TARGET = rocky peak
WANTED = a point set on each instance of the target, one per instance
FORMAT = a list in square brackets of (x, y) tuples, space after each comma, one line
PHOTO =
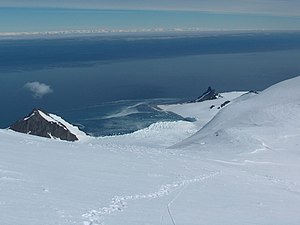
[(42, 124), (210, 94)]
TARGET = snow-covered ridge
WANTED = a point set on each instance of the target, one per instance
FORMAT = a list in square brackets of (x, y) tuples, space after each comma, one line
[(50, 119), (254, 119), (73, 129), (203, 111)]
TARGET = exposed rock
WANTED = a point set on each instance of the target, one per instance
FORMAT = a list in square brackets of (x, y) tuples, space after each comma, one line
[(42, 124), (224, 103), (254, 92), (210, 94)]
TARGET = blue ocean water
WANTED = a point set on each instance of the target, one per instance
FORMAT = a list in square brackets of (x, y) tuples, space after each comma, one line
[(110, 85), (120, 117)]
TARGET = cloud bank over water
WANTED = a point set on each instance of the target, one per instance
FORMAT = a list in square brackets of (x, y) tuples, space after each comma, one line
[(39, 90), (66, 33)]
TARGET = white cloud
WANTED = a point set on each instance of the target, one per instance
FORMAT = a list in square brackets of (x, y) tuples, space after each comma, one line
[(38, 89)]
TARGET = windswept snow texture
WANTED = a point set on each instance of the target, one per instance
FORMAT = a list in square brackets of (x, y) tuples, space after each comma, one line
[(242, 168)]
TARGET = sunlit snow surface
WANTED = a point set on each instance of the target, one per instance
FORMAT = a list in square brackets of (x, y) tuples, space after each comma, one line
[(241, 168)]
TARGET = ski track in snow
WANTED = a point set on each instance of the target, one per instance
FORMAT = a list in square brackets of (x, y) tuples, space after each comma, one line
[(119, 203)]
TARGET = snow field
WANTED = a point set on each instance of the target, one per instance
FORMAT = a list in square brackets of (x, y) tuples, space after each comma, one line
[(241, 166)]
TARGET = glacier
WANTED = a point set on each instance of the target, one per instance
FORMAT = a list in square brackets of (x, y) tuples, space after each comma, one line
[(234, 165)]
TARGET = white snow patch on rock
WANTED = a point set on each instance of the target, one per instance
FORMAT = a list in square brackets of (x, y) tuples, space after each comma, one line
[(73, 129)]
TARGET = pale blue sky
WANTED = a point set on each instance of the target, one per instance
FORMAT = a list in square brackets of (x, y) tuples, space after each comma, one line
[(277, 7), (49, 15)]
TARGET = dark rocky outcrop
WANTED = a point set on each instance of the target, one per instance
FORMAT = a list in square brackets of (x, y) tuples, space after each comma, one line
[(210, 94), (253, 92), (225, 103), (41, 124)]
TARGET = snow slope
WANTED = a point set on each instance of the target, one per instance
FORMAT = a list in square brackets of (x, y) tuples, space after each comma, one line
[(202, 111), (261, 120), (247, 174)]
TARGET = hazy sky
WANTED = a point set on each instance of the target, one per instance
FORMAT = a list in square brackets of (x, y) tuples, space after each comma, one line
[(279, 7), (24, 15)]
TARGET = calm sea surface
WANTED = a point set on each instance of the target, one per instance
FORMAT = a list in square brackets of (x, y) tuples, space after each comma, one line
[(110, 85)]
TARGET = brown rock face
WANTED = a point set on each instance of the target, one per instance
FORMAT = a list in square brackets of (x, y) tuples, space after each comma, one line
[(36, 124)]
